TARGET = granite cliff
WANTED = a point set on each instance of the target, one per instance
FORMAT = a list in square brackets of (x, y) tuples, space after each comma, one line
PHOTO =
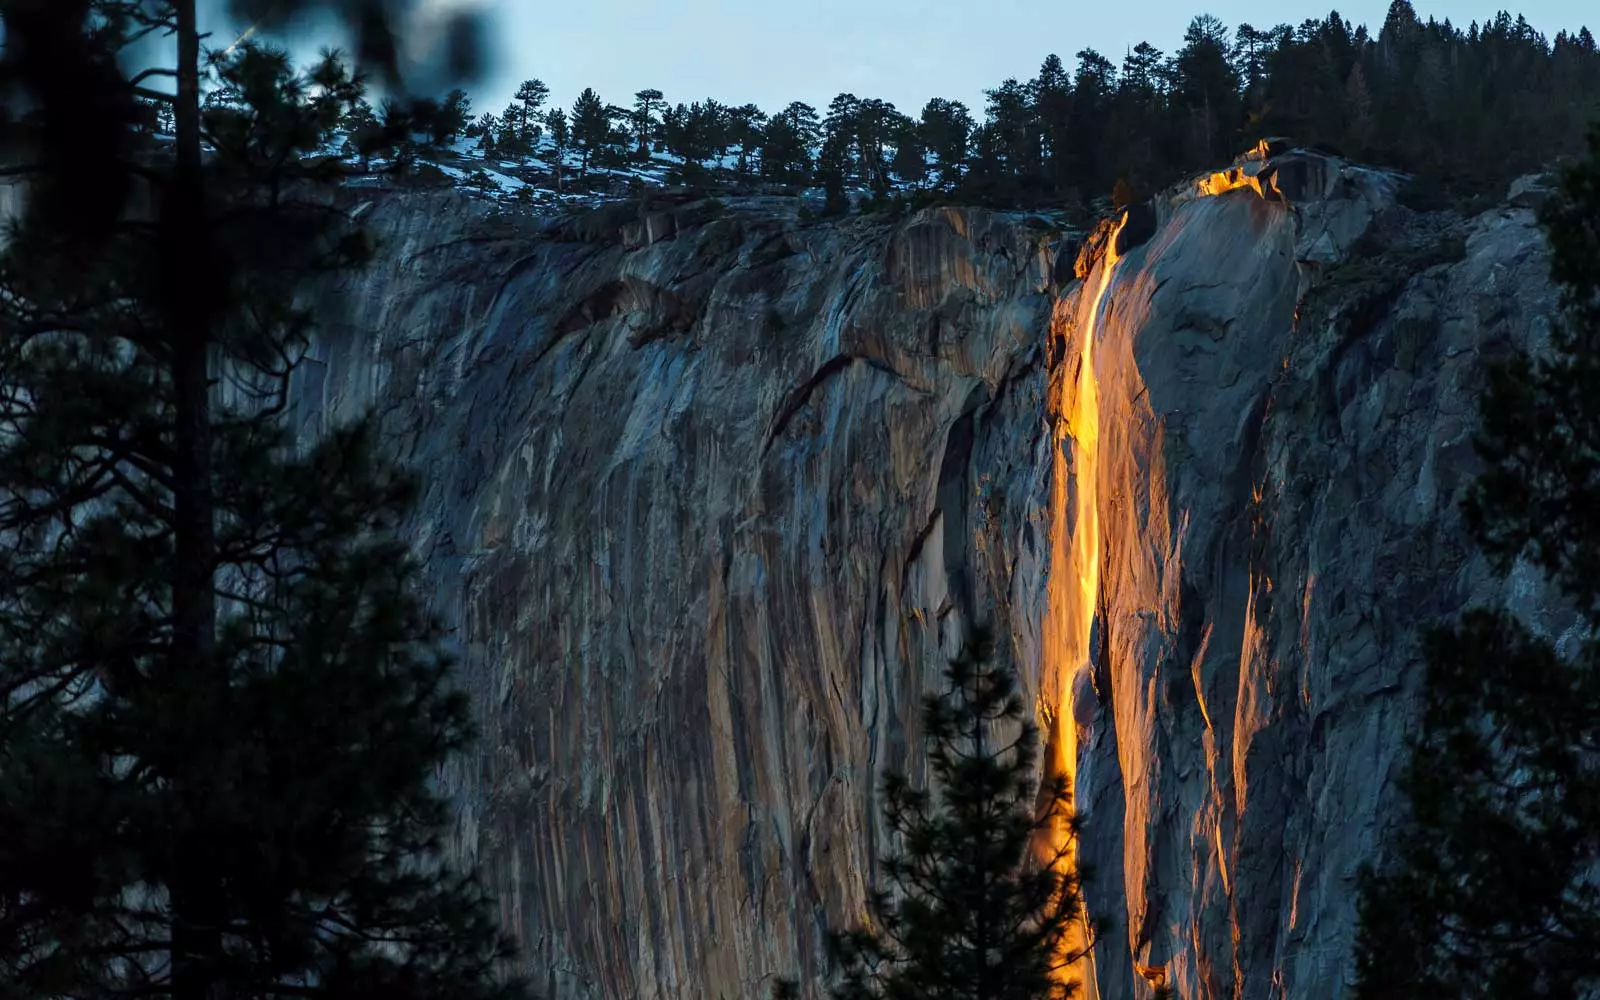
[(711, 492)]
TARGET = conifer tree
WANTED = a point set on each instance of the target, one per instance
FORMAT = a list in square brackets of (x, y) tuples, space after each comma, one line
[(646, 123), (1010, 119), (875, 122), (363, 132), (745, 126), (1490, 889), (786, 144), (807, 125), (590, 126), (560, 141), (1206, 92), (1093, 88), (451, 119), (619, 137), (484, 130), (1052, 110), (910, 156), (833, 165), (712, 127), (511, 137), (1249, 56), (532, 94), (945, 128), (840, 124), (221, 705), (973, 911)]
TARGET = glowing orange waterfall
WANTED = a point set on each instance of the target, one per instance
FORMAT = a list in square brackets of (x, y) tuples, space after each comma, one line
[(1075, 553)]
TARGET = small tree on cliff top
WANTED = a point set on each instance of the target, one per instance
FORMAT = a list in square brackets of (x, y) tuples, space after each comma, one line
[(973, 912), (1493, 888)]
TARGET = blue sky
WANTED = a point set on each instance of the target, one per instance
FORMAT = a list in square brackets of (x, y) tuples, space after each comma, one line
[(770, 52)]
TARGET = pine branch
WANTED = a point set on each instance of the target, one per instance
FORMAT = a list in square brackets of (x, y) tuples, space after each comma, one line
[(144, 75)]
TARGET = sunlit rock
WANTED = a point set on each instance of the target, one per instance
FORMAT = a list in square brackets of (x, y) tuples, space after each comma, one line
[(710, 493)]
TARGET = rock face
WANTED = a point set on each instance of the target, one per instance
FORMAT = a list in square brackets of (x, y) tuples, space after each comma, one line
[(711, 493), (1278, 510)]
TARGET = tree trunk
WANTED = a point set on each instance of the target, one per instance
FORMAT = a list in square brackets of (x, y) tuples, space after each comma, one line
[(190, 289)]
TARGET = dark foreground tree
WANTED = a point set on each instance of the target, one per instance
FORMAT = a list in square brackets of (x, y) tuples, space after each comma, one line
[(1494, 886), (221, 705), (978, 907)]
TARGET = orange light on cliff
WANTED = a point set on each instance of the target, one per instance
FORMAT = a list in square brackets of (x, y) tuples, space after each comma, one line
[(1253, 171), (1075, 554)]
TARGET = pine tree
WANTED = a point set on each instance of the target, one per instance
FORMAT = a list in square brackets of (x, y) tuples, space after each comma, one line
[(221, 704), (1206, 91), (1010, 120), (1137, 126), (1052, 110), (1249, 56), (806, 123), (532, 94), (745, 126), (945, 128), (1490, 889), (452, 118), (786, 144), (712, 128), (1093, 88), (511, 139), (646, 124), (484, 130), (876, 121), (910, 155), (363, 131), (560, 141), (683, 129), (840, 124), (591, 127), (833, 165), (973, 910)]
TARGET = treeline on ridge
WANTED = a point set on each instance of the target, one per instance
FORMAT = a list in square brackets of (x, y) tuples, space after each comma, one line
[(1465, 110)]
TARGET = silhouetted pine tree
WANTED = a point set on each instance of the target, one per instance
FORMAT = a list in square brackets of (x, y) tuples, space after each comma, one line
[(971, 909), (841, 125), (555, 154), (591, 127), (745, 124), (1491, 888), (221, 705), (944, 128), (531, 95), (646, 121), (833, 164), (785, 156)]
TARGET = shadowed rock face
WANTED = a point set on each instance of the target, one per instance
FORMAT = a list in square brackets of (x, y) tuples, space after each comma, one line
[(710, 494)]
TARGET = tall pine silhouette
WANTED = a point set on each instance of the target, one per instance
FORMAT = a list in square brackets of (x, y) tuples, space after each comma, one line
[(972, 909), (221, 704), (1492, 889)]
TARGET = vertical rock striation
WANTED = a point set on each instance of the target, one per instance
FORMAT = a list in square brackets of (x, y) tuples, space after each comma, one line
[(705, 504), (1278, 488), (710, 494)]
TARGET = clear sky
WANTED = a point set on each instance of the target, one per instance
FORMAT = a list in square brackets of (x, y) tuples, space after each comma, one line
[(771, 52)]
